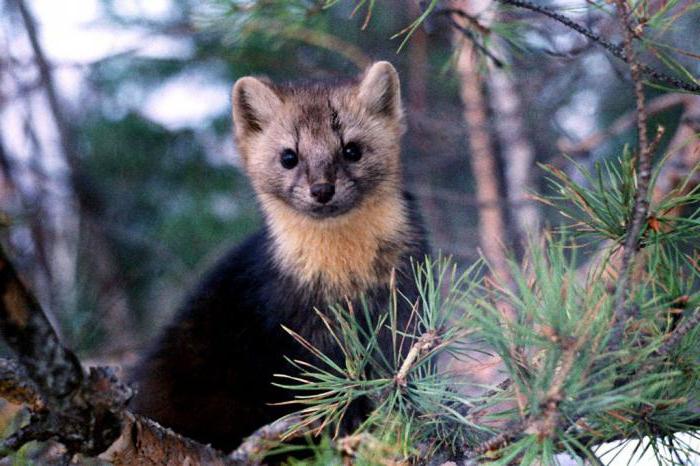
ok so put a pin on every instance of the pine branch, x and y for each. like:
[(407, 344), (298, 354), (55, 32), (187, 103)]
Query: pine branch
[(616, 50), (545, 424), (641, 203), (477, 45), (468, 33), (425, 343), (687, 325)]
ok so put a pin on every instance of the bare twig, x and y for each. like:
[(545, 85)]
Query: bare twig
[(466, 32)]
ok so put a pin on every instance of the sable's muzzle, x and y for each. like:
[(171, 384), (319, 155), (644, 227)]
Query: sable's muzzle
[(322, 192)]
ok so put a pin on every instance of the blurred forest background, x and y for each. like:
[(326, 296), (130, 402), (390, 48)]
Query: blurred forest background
[(119, 180)]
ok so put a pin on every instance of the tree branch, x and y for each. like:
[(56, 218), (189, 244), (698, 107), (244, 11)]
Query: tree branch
[(16, 386), (81, 409), (467, 32), (253, 448), (617, 127), (425, 343), (687, 325), (641, 203), (145, 443), (86, 412), (54, 369), (616, 50)]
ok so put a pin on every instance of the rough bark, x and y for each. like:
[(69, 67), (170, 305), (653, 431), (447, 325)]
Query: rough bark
[(145, 443)]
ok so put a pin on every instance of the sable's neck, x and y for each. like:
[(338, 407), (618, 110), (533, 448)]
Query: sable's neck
[(345, 255)]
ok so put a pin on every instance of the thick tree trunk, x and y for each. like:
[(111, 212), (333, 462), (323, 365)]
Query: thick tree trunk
[(516, 150), (492, 230)]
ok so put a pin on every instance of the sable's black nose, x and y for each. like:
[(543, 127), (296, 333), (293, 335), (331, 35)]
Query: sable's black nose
[(323, 192)]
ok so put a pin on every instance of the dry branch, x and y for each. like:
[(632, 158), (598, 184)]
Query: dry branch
[(81, 409)]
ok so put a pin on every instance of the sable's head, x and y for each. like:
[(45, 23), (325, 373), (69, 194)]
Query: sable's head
[(317, 149)]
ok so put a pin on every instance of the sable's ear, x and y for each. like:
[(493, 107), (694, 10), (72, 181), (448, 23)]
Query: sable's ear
[(254, 105), (380, 90)]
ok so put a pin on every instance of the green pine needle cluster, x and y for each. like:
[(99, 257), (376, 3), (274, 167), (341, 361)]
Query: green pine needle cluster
[(571, 379)]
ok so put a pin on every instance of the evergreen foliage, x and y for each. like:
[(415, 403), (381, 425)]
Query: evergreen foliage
[(574, 378)]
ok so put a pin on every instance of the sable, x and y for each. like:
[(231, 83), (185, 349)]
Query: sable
[(210, 376)]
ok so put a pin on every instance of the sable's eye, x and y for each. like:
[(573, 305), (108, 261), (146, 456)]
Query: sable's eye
[(289, 159), (352, 152)]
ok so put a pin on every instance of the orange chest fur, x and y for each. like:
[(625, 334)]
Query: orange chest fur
[(343, 254)]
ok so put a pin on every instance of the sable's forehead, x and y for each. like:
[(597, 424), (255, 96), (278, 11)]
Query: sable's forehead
[(315, 110), (314, 116)]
